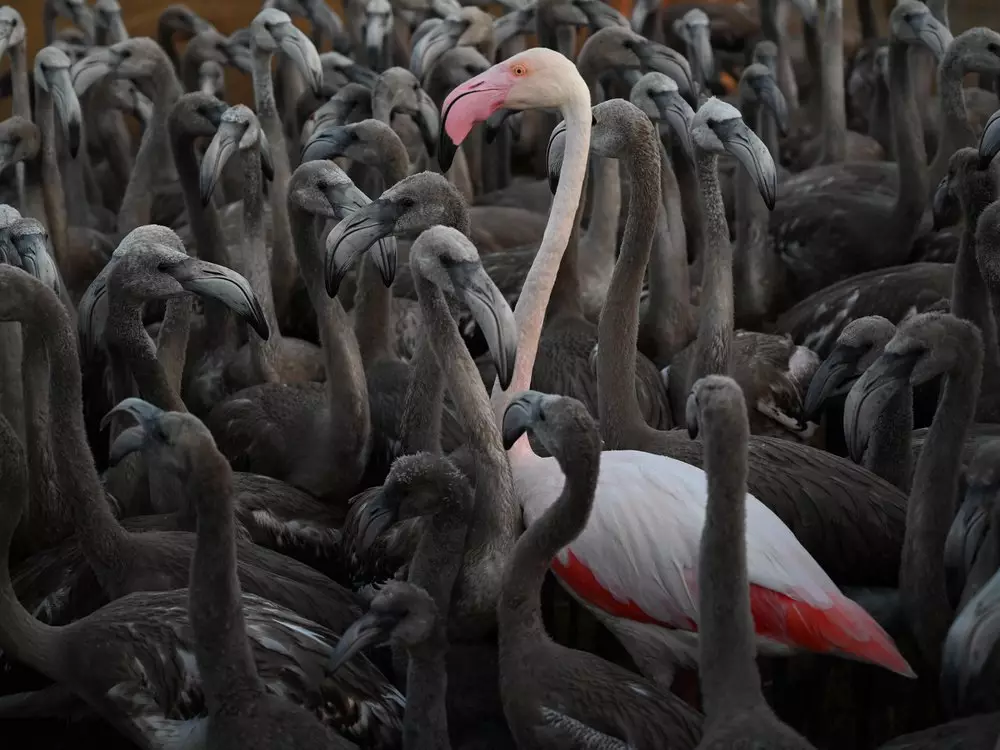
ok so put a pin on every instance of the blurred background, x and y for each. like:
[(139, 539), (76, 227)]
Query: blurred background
[(229, 15)]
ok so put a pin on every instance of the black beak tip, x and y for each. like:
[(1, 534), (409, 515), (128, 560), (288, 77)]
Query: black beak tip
[(334, 277), (74, 140), (692, 430), (446, 151)]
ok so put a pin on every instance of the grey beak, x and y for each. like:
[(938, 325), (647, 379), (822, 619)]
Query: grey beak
[(968, 532), (68, 107), (92, 312), (33, 252), (833, 378), (327, 143), (370, 630), (989, 143), (740, 141), (303, 53), (130, 440), (768, 91), (934, 34), (701, 45), (946, 209), (808, 9), (223, 285), (519, 417), (428, 120), (970, 643), (665, 60), (494, 123), (354, 235), (677, 114), (224, 144), (885, 375), (143, 412), (691, 416), (91, 69), (492, 314)]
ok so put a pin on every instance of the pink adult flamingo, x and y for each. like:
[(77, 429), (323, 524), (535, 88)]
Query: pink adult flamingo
[(635, 564)]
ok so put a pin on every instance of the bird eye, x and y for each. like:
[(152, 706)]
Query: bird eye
[(519, 69), (321, 185), (407, 202), (126, 54), (448, 262), (994, 48), (541, 415)]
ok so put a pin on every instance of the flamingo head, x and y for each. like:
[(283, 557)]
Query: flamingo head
[(538, 78)]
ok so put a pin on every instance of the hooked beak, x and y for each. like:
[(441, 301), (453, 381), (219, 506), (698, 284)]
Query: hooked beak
[(833, 378), (97, 65), (134, 438), (327, 143), (968, 530), (371, 223), (223, 285), (380, 515), (428, 120), (218, 153), (6, 32), (370, 630), (430, 47), (663, 59), (701, 47), (303, 53), (92, 316), (946, 209), (83, 18), (519, 417), (33, 252), (639, 13), (740, 141), (677, 114), (492, 314), (130, 440), (880, 381), (933, 34), (989, 143), (768, 91), (68, 106), (970, 643), (471, 103)]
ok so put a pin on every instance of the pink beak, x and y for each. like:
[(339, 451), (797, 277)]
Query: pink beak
[(474, 101)]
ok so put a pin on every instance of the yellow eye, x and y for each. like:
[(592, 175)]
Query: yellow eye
[(519, 69)]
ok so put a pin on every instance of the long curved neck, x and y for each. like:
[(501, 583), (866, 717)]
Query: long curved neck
[(531, 304), (283, 254), (519, 612), (602, 231), (565, 299), (494, 524), (215, 605), (346, 387), (910, 158), (956, 132), (127, 334), (929, 514), (754, 260), (669, 316), (48, 520), (373, 299), (693, 211), (22, 636), (208, 237), (52, 186), (420, 424), (435, 566), (618, 328), (153, 160), (729, 677), (263, 354), (715, 326), (101, 536), (832, 75)]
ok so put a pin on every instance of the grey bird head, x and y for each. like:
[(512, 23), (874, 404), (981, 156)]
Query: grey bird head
[(715, 403), (718, 128), (659, 97), (53, 75), (272, 30), (913, 23), (447, 259), (399, 612), (407, 208), (758, 85), (238, 130)]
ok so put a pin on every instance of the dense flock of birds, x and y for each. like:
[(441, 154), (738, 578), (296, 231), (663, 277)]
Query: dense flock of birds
[(301, 402)]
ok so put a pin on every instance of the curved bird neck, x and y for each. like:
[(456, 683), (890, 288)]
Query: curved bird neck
[(215, 604), (494, 524), (618, 328), (420, 423), (956, 132), (715, 325), (283, 252), (913, 181), (727, 648), (153, 162), (51, 177), (922, 584)]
